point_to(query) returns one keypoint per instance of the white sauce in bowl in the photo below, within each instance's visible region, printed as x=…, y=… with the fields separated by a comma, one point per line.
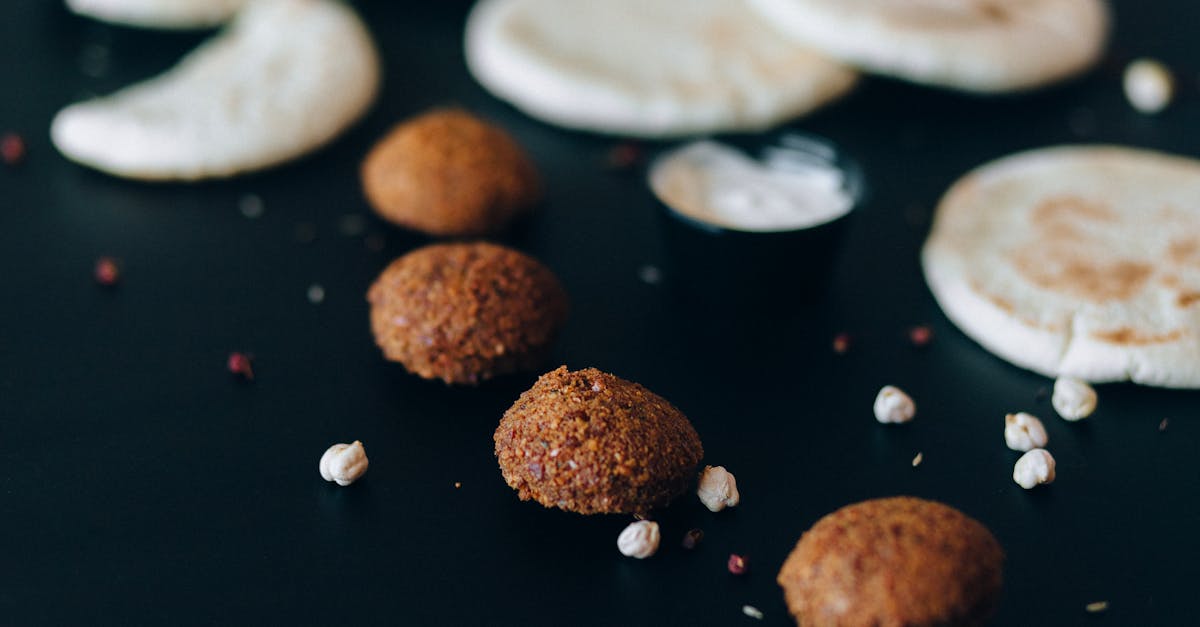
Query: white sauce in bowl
x=795, y=186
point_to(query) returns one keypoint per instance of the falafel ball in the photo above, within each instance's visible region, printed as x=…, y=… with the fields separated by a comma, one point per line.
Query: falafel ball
x=464, y=313
x=894, y=561
x=449, y=173
x=593, y=443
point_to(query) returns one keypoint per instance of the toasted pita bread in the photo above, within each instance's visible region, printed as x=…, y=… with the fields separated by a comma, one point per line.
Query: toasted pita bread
x=1076, y=261
x=284, y=78
x=159, y=13
x=985, y=46
x=648, y=68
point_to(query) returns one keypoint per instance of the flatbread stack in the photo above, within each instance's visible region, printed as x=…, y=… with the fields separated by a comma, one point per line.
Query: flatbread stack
x=1076, y=261
x=284, y=78
x=648, y=68
x=170, y=14
x=659, y=68
x=985, y=46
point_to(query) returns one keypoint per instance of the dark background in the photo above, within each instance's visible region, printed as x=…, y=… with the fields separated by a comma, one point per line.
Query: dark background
x=140, y=483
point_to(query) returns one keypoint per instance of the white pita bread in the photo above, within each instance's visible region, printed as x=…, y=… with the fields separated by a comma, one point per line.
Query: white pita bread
x=985, y=46
x=648, y=68
x=159, y=13
x=1076, y=261
x=284, y=78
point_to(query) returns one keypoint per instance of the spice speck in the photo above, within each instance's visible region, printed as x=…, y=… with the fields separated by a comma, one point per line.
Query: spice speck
x=650, y=275
x=352, y=224
x=737, y=564
x=457, y=485
x=106, y=272
x=1098, y=606
x=239, y=365
x=841, y=343
x=251, y=206
x=752, y=612
x=624, y=156
x=374, y=242
x=306, y=232
x=94, y=60
x=916, y=215
x=12, y=149
x=920, y=336
x=1082, y=122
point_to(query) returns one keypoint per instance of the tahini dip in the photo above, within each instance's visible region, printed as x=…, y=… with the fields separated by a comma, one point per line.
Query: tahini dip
x=793, y=187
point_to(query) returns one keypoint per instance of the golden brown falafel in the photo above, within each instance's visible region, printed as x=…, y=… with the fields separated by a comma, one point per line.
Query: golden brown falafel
x=893, y=561
x=590, y=442
x=464, y=313
x=448, y=173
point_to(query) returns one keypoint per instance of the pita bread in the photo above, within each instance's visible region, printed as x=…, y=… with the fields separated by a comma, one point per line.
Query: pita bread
x=159, y=13
x=1076, y=261
x=284, y=78
x=985, y=46
x=648, y=68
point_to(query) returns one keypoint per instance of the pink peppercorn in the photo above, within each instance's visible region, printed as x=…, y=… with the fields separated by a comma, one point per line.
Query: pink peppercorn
x=12, y=149
x=239, y=365
x=106, y=272
x=920, y=336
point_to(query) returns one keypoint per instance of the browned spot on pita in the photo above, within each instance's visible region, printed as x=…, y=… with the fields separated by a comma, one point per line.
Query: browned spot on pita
x=723, y=35
x=1081, y=273
x=1187, y=299
x=1007, y=306
x=1003, y=304
x=1069, y=209
x=1132, y=337
x=1058, y=231
x=1169, y=280
x=994, y=12
x=1183, y=251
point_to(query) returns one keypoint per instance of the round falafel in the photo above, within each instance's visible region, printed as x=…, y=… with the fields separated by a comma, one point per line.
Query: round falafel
x=593, y=443
x=449, y=173
x=893, y=561
x=464, y=313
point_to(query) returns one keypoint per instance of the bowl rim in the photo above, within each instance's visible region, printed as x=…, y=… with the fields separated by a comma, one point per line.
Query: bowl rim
x=853, y=181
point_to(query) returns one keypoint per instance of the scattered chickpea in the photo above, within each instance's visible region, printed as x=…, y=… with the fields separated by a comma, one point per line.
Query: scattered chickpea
x=718, y=489
x=1034, y=468
x=1073, y=399
x=1149, y=85
x=892, y=405
x=1024, y=432
x=343, y=464
x=639, y=540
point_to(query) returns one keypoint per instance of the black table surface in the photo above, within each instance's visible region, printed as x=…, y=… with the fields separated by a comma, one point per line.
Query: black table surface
x=141, y=484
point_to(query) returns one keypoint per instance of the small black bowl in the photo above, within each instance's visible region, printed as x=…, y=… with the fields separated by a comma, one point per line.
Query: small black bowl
x=757, y=272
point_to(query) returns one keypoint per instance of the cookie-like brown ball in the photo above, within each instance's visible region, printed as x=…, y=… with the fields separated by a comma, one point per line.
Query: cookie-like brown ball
x=464, y=313
x=592, y=443
x=893, y=561
x=448, y=173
